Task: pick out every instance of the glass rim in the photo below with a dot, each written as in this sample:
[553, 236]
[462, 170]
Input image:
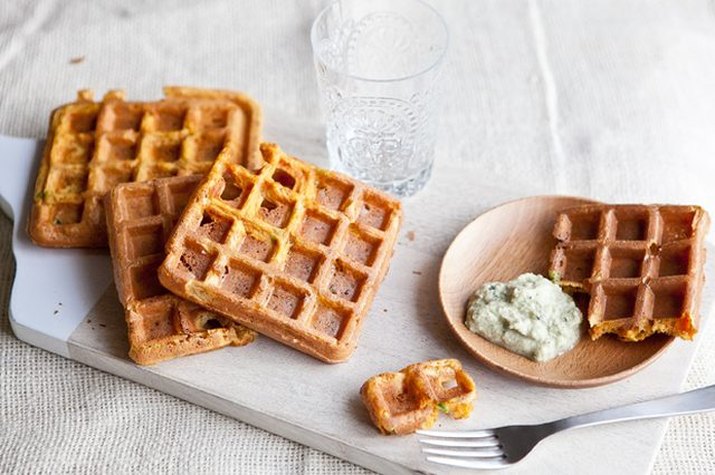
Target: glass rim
[433, 65]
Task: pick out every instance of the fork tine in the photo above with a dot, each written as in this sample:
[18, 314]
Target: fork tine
[458, 434]
[483, 442]
[482, 453]
[478, 464]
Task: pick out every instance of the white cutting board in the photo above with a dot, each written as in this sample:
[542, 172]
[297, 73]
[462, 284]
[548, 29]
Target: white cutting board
[64, 301]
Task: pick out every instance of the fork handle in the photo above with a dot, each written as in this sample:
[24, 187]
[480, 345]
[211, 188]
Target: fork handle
[698, 400]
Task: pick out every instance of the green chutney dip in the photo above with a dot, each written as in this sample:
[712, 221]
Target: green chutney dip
[529, 315]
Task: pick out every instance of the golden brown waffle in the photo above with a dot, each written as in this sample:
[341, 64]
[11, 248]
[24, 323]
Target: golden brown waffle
[403, 402]
[92, 146]
[161, 326]
[641, 264]
[292, 251]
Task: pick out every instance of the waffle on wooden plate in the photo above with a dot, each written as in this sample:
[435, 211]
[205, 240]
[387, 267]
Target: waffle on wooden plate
[411, 399]
[93, 146]
[160, 325]
[290, 250]
[642, 266]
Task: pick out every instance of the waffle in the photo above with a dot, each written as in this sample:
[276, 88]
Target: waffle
[93, 146]
[292, 251]
[160, 325]
[403, 402]
[642, 266]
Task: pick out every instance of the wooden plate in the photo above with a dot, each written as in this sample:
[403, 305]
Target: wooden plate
[503, 243]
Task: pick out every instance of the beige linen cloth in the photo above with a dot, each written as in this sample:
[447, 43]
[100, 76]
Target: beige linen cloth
[609, 99]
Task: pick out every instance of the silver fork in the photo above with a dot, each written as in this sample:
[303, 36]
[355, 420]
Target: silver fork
[504, 446]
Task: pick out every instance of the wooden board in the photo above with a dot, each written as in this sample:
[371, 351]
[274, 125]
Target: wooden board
[288, 393]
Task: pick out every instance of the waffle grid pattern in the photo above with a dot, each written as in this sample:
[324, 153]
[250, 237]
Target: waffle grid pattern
[290, 250]
[160, 325]
[642, 266]
[411, 399]
[94, 146]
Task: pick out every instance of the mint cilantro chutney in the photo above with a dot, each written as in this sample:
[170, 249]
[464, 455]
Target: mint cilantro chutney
[529, 315]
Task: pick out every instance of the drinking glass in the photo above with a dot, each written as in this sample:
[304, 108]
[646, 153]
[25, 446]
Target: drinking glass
[378, 64]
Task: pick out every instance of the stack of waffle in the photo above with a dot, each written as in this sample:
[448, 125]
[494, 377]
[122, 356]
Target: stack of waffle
[266, 241]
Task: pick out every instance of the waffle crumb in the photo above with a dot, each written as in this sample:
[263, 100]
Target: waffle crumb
[402, 402]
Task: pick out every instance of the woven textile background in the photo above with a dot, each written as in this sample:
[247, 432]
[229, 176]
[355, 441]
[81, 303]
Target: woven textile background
[610, 99]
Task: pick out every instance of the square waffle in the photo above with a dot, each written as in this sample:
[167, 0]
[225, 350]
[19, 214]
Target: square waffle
[642, 266]
[403, 402]
[161, 326]
[290, 250]
[92, 146]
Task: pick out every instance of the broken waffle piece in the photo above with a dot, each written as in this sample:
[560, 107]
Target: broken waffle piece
[160, 325]
[93, 146]
[641, 265]
[290, 250]
[411, 399]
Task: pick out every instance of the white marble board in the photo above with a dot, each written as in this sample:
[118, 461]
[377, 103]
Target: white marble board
[64, 301]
